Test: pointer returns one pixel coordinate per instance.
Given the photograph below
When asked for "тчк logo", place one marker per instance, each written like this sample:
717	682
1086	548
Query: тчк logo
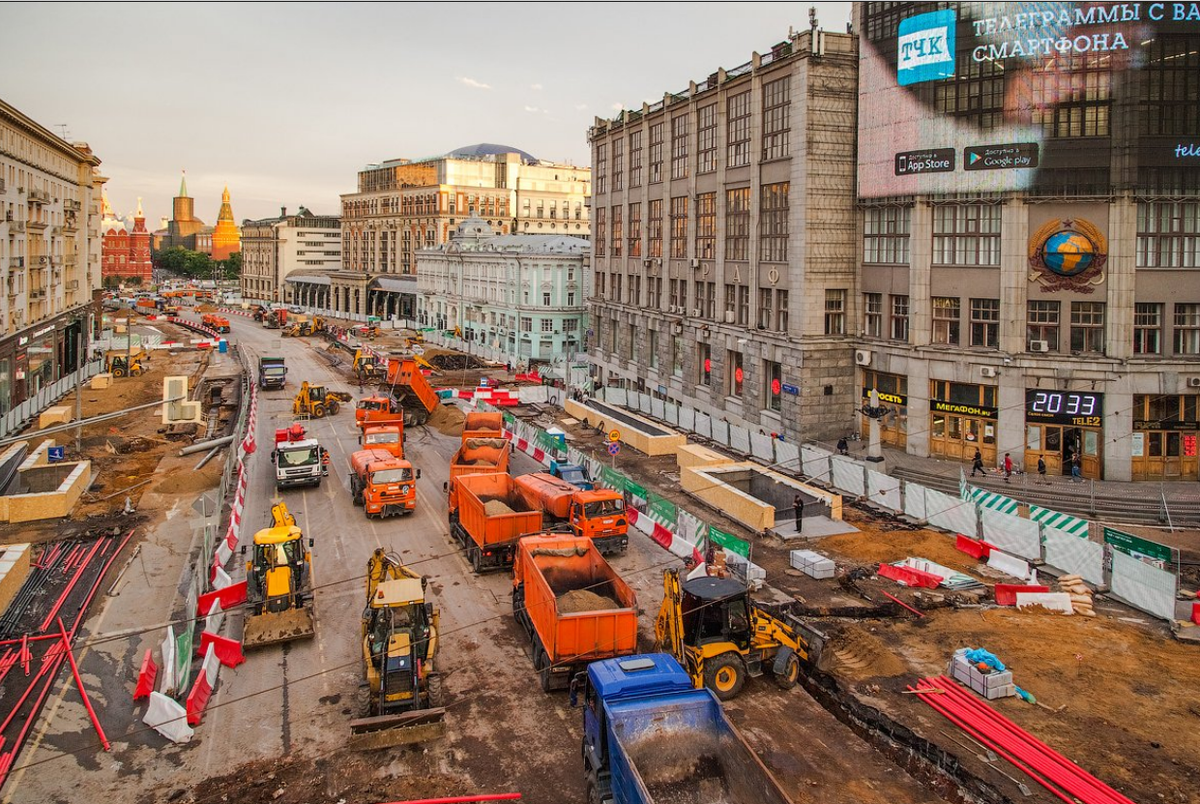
925	47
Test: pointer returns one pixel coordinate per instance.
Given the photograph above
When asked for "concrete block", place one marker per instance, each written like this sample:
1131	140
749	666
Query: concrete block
813	564
59	414
101	381
689	455
13	572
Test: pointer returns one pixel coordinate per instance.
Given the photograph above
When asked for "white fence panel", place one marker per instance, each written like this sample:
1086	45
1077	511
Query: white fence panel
687	419
644	403
848	476
672	411
533	393
883	490
951	513
787	455
1074	555
656	409
1012	533
703	425
914	501
762	447
1145	587
815	463
720	431
616	396
739	438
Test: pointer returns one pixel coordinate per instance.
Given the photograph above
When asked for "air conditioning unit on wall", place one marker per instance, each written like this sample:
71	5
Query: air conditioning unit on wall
1039	346
988	371
862	357
1193	382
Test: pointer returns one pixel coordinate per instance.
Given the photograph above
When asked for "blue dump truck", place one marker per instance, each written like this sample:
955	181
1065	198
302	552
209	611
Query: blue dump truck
272	373
574	474
651	737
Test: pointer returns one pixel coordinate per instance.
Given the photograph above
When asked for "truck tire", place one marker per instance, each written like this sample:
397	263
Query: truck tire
593	789
334	407
476	556
541	663
725	675
318	411
791	673
118	372
437	696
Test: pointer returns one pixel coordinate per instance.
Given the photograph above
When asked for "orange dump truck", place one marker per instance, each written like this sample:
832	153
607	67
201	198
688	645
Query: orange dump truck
491	517
216	322
388	437
573	604
378	409
484	451
382	483
413	393
597	515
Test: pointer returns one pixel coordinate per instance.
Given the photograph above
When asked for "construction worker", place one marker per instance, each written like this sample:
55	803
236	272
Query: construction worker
798	505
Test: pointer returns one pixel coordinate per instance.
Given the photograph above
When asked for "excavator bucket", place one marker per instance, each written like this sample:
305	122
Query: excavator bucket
273	628
407	728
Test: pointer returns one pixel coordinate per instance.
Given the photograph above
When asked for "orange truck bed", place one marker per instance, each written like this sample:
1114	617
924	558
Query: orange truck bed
477	456
409	384
490	537
573	604
481	424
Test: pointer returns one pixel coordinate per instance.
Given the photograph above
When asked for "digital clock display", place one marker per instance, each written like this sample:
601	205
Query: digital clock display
1077	408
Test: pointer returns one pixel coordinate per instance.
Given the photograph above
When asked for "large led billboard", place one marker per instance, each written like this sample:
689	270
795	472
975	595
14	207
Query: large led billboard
1046	98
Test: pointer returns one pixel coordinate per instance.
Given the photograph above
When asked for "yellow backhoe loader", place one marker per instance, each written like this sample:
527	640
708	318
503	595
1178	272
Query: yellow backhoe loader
316	401
399	633
720	635
279	586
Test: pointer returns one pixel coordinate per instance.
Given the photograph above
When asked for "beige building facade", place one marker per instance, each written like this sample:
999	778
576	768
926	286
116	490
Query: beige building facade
50	254
723	225
275	248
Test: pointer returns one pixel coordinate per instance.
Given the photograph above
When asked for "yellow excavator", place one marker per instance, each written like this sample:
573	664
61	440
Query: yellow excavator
399	635
316	401
367	368
279	585
720	635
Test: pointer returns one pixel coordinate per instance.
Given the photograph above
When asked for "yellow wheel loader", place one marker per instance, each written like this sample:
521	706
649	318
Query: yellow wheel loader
315	401
399	633
279	586
720	635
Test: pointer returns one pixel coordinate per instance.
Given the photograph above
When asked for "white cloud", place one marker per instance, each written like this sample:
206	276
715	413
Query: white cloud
536	87
472	83
532	109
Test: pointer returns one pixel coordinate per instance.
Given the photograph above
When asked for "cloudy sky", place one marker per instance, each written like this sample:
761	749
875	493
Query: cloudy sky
286	102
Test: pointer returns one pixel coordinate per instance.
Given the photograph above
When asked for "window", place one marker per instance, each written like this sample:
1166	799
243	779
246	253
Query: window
738	130
526	324
781	310
706	139
1042	324
635	160
1147	329
654	289
679	147
1172	70
730	301
773	390
704	364
571	325
706	226
656	153
710	299
571	299
765	308
885	235
985	323
946	313
1077	106
653	348
737	224
635	230
678	291
676	356
1168	234
631	346
655	225
1087	327
601	176
966	234
743	310
616	287
635	290
736	378
873	315
618	166
835	312
777	96
679	215
601	231
547	324
773	242
545	299
899	323
617	233
1187	329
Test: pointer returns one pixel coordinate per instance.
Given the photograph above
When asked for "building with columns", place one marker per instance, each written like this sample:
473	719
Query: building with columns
50	255
524	294
1030	242
723	226
274	249
125	250
404	205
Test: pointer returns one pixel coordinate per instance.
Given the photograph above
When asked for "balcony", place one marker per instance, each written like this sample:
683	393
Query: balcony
39	197
39	225
40	293
69	204
16	262
16	226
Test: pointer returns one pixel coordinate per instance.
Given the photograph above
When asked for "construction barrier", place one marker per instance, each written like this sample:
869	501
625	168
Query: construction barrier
228	651
168	665
1006	593
168	718
909	576
215	618
972	547
202	690
1148	588
146	676
1012	534
227	597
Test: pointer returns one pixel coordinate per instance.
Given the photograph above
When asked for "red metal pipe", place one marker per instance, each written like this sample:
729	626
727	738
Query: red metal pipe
70	587
895	599
24	653
19	640
460	799
66	643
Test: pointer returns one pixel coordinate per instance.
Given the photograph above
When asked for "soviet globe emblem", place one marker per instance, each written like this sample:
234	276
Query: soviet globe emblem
1068	253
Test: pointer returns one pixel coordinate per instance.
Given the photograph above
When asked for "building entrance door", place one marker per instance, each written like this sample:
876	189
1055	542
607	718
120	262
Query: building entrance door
1085	443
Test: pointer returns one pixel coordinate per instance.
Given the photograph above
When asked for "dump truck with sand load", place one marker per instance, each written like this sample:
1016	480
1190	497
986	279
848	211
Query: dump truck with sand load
412	392
649	737
491	517
573	605
382	483
597	515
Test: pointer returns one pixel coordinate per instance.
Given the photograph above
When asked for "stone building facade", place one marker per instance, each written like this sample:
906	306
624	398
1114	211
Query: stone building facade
273	249
723	227
125	250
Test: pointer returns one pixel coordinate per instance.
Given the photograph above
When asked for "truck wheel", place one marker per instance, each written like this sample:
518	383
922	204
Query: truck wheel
593	789
334	407
476	560
118	372
790	675
541	663
318	411
437	696
725	675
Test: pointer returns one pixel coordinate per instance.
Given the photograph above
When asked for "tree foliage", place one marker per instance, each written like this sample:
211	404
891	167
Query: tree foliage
197	265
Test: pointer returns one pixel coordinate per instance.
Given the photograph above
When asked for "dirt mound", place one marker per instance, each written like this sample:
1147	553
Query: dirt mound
585	600
876	546
185	481
496	508
447	420
859	654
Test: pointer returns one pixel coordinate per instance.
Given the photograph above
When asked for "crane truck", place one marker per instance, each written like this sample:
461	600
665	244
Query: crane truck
597	515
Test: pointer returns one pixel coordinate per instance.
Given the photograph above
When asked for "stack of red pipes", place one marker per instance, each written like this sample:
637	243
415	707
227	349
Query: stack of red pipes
1062	777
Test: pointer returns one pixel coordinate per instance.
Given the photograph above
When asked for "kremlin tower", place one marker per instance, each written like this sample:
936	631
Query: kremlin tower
226	238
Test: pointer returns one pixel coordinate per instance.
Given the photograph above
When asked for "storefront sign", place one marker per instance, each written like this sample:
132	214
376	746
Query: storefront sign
794	390
1137	447
983	412
893	399
1164	424
1150	552
43	331
1073	408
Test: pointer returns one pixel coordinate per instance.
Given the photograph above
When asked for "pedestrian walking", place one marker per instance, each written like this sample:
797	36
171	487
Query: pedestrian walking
1007	467
977	464
1076	469
842	447
1041	469
798	505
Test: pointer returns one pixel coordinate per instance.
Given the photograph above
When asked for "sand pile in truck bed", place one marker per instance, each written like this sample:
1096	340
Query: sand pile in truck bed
579	600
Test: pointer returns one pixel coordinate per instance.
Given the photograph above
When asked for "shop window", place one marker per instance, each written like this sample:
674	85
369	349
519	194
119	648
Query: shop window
736	378
1042	319
1187	329
1087	327
985	323
946	312
873	315
899	321
1147	329
773	392
704	364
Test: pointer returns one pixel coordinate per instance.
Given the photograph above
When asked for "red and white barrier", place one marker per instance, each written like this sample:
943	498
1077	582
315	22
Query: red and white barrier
227	597
206	682
168	718
215	618
228	651
168	667
220	578
146	676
